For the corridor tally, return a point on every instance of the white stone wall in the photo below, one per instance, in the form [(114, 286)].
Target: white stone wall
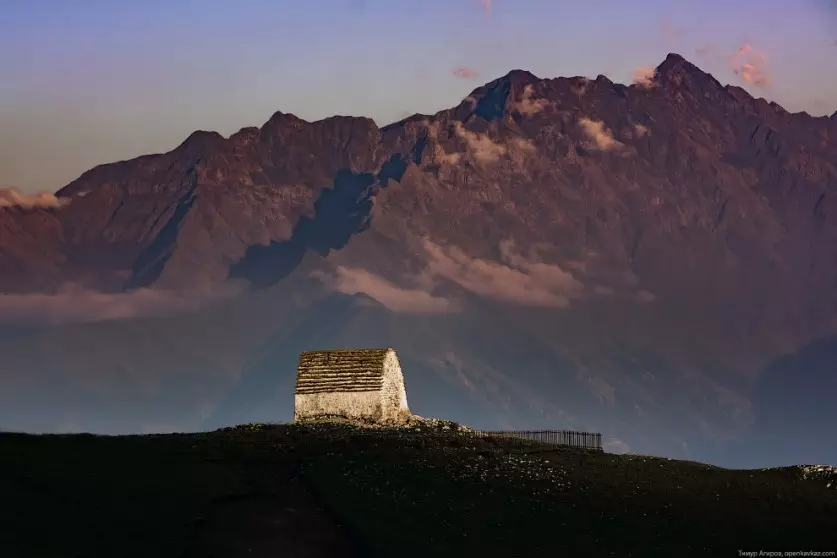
[(393, 392), (352, 404), (387, 403)]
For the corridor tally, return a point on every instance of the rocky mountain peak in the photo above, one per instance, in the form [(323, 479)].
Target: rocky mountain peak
[(245, 137), (676, 64), (199, 143), (677, 73), (496, 98), (203, 137), (518, 78), (280, 121)]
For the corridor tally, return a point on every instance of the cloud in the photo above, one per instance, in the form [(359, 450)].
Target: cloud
[(454, 366), (482, 148), (580, 86), (645, 296), (640, 130), (603, 391), (515, 278), (398, 299), (465, 72), (529, 106), (751, 65), (12, 197), (440, 155), (443, 157), (73, 304), (522, 144), (486, 7), (670, 32), (615, 445), (644, 76), (600, 136), (705, 50)]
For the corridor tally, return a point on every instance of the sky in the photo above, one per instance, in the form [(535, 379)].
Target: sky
[(86, 83)]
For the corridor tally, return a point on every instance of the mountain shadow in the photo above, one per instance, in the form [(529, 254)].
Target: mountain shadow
[(794, 409), (151, 261), (265, 392), (340, 212)]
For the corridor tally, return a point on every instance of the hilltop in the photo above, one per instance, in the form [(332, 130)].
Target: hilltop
[(336, 490)]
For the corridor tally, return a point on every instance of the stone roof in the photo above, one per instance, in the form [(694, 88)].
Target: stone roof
[(340, 370)]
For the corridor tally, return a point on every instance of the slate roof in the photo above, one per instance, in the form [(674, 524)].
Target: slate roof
[(340, 370)]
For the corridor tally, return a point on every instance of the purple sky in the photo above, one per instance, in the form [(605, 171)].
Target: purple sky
[(84, 83)]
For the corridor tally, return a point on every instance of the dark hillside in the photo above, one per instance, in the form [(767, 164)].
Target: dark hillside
[(336, 490)]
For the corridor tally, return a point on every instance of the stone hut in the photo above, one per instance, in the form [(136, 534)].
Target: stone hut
[(362, 384)]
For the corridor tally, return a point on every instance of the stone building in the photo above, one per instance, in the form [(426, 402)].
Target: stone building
[(362, 384)]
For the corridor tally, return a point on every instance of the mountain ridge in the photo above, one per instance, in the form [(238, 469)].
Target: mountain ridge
[(693, 221)]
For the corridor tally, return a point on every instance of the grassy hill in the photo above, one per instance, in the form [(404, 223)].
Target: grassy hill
[(341, 490)]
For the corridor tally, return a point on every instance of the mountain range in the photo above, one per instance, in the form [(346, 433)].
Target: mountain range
[(653, 261)]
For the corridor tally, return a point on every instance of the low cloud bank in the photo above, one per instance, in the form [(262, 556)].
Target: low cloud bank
[(398, 299), (12, 197), (73, 304), (515, 278)]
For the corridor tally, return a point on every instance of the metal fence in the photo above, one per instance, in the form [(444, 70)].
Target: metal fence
[(317, 435), (510, 439), (566, 438)]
